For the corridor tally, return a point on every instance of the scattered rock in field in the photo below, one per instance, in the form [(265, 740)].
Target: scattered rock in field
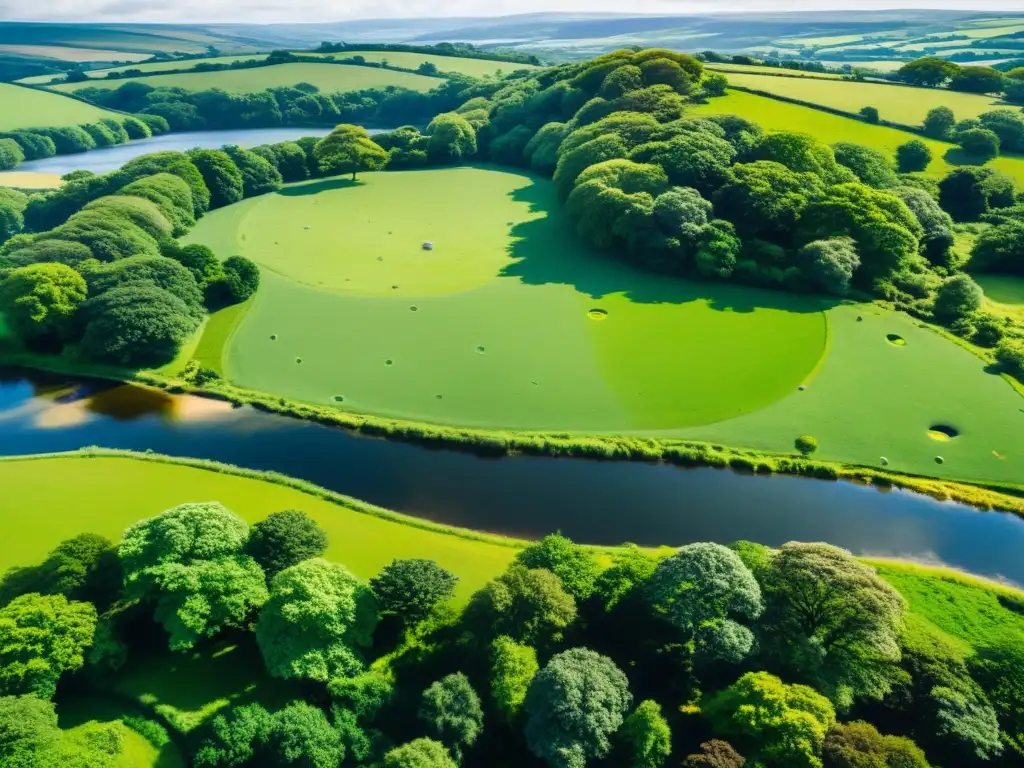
[(860, 318), (298, 359), (801, 387), (273, 337), (428, 246), (885, 462), (939, 460), (414, 308), (339, 399)]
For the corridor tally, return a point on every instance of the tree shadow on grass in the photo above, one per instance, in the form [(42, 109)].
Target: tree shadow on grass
[(316, 187), (547, 250)]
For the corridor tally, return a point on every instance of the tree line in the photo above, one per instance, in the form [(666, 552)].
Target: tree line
[(707, 656)]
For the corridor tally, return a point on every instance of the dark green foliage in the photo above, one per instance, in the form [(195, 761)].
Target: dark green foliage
[(869, 115), (411, 589), (647, 736), (999, 670), (967, 722), (451, 712), (156, 124), (574, 706), (239, 279), (705, 591), (101, 134), (298, 735), (806, 445), (107, 238), (860, 745), (171, 194), (221, 176), (870, 166), (452, 139), (978, 143), (977, 80), (831, 264), (258, 175), (197, 259), (802, 153), (11, 154), (830, 621), (692, 159), (572, 163), (530, 606), (968, 192), (176, 163), (1000, 249), (1008, 125), (575, 566), (929, 71), (939, 122), (715, 754), (83, 568), (283, 539), (420, 753), (628, 573), (766, 199), (29, 735), (136, 128), (41, 638), (131, 211), (41, 301), (68, 140), (152, 271), (316, 621), (958, 297), (34, 146), (289, 159), (50, 209), (55, 250)]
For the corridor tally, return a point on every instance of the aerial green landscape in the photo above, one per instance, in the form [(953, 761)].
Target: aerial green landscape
[(558, 251)]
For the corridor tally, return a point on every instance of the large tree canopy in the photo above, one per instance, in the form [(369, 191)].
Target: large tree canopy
[(574, 705), (189, 561), (349, 149), (40, 301), (528, 605), (703, 589), (830, 621), (316, 621)]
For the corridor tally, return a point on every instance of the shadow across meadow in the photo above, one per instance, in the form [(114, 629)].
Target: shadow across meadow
[(316, 187), (547, 250)]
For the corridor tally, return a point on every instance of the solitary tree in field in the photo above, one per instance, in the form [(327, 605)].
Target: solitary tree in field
[(349, 149)]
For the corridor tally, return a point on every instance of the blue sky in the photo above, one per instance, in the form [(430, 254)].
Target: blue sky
[(330, 10)]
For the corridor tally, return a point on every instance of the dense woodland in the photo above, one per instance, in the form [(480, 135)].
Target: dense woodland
[(713, 197), (705, 657)]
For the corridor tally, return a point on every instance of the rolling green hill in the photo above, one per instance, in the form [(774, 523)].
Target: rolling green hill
[(327, 77), (27, 108)]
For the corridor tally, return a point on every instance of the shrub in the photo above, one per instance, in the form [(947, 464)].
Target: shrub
[(979, 143), (33, 145), (156, 124), (913, 156), (239, 281), (939, 122), (40, 301), (101, 134), (958, 297), (258, 175), (806, 444), (221, 176), (156, 271), (284, 539), (411, 589), (136, 128), (68, 140), (1010, 354), (11, 154), (869, 114)]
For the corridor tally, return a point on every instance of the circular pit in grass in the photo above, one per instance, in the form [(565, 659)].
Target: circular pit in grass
[(597, 314), (896, 341), (942, 432)]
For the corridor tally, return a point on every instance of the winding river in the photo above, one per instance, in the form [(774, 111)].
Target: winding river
[(110, 158), (592, 501)]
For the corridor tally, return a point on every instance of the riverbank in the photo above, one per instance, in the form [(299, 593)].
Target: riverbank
[(496, 443)]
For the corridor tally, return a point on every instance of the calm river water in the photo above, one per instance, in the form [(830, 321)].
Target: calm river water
[(109, 158), (591, 501)]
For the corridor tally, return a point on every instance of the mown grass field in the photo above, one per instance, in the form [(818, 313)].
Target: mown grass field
[(508, 322), (107, 494), (1004, 294), (472, 67), (155, 66), (755, 69), (66, 53), (777, 115), (328, 78), (27, 108), (872, 399), (896, 103)]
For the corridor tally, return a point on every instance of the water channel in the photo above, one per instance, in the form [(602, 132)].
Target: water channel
[(592, 501), (110, 158)]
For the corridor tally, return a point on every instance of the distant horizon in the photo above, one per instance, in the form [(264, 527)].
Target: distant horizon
[(189, 12)]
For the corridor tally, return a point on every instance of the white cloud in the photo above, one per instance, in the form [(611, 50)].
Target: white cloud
[(265, 11)]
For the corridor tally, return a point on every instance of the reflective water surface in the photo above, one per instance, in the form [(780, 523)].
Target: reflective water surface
[(593, 501)]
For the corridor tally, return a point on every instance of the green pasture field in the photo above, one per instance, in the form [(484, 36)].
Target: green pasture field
[(756, 69), (1004, 294), (67, 53), (363, 542), (153, 66), (110, 37), (896, 103), (499, 321), (329, 78), (776, 115), (509, 322), (472, 67), (872, 399), (28, 108)]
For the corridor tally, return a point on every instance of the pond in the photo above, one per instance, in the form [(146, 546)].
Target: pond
[(592, 501), (110, 158)]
